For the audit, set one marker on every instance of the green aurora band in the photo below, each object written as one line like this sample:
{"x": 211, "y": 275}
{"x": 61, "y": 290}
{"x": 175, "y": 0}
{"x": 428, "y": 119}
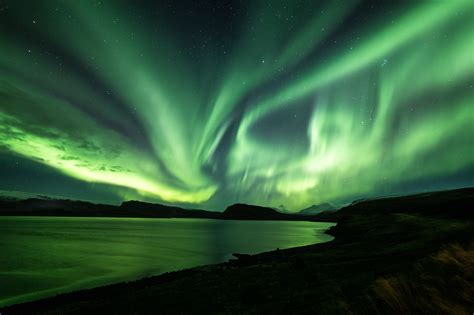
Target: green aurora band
{"x": 290, "y": 115}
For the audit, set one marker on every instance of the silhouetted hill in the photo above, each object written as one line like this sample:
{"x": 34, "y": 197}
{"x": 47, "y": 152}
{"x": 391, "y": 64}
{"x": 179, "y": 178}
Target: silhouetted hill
{"x": 315, "y": 209}
{"x": 460, "y": 203}
{"x": 55, "y": 207}
{"x": 144, "y": 209}
{"x": 457, "y": 203}
{"x": 43, "y": 206}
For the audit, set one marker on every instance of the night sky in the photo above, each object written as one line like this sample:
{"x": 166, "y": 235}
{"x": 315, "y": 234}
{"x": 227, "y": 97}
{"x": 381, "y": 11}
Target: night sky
{"x": 208, "y": 103}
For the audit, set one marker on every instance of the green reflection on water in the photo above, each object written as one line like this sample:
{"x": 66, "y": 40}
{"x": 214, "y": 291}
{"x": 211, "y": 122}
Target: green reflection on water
{"x": 43, "y": 256}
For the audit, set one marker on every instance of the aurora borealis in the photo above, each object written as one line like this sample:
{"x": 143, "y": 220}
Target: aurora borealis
{"x": 277, "y": 103}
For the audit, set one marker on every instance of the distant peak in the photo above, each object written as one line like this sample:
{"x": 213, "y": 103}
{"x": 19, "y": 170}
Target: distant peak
{"x": 315, "y": 209}
{"x": 241, "y": 208}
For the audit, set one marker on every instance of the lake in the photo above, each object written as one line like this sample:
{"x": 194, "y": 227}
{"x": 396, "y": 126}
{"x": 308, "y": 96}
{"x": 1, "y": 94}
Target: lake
{"x": 44, "y": 256}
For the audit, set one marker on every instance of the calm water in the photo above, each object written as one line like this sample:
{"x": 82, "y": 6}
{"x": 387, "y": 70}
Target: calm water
{"x": 43, "y": 256}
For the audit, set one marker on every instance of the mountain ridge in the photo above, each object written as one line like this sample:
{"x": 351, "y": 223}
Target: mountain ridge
{"x": 137, "y": 209}
{"x": 315, "y": 209}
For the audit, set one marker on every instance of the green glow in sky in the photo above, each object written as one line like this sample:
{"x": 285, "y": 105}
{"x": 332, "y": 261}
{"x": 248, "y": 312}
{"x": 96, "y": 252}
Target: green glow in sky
{"x": 295, "y": 106}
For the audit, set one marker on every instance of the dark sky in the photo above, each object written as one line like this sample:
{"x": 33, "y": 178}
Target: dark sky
{"x": 208, "y": 103}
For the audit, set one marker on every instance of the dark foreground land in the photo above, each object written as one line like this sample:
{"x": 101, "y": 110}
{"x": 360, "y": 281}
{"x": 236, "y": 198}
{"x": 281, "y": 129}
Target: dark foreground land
{"x": 405, "y": 255}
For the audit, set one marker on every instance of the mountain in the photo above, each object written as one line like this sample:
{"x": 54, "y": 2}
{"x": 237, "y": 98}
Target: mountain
{"x": 453, "y": 203}
{"x": 315, "y": 209}
{"x": 54, "y": 207}
{"x": 46, "y": 206}
{"x": 457, "y": 203}
{"x": 144, "y": 209}
{"x": 59, "y": 207}
{"x": 241, "y": 211}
